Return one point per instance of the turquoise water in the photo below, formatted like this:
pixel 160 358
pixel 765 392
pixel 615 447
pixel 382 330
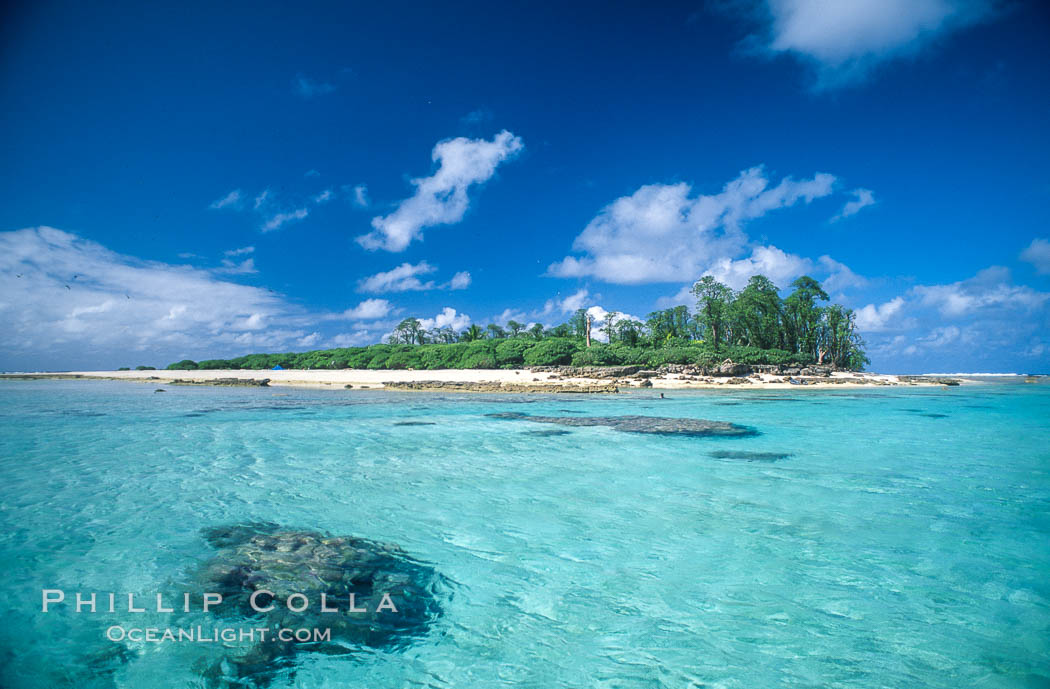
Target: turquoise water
pixel 905 540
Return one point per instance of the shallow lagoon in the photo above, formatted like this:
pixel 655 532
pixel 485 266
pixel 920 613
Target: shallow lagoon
pixel 900 537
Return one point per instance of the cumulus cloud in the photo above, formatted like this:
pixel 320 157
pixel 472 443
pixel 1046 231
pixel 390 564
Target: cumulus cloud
pixel 460 280
pixel 357 338
pixel 260 199
pixel 872 318
pixel 838 276
pixel 404 278
pixel 970 325
pixel 511 314
pixel 324 196
pixel 844 40
pixel 600 318
pixel 663 233
pixel 119 307
pixel 276 221
pixel 369 309
pixel 231 200
pixel 568 304
pixel 1038 254
pixel 990 288
pixel 448 317
pixel 862 198
pixel 777 265
pixel 441 198
pixel 939 337
pixel 70 303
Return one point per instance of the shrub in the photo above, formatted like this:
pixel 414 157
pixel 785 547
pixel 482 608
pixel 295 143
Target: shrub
pixel 211 364
pixel 754 355
pixel 184 365
pixel 442 356
pixel 511 353
pixel 403 359
pixel 360 357
pixel 551 352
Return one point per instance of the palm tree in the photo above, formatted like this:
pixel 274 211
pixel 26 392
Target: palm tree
pixel 474 332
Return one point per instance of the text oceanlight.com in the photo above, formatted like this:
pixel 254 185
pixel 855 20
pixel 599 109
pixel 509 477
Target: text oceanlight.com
pixel 218 635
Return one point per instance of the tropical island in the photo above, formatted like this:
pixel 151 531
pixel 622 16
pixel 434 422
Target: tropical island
pixel 753 326
pixel 748 338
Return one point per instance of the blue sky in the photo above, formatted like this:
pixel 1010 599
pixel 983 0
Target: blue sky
pixel 199 181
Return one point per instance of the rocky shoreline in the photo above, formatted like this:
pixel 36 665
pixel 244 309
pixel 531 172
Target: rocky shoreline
pixel 471 386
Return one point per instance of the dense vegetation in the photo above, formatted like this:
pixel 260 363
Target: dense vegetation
pixel 753 326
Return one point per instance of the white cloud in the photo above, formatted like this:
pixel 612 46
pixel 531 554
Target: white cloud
pixel 441 198
pixel 1038 254
pixel 839 276
pixel 511 314
pixel 845 39
pixel 260 199
pixel 780 267
pixel 862 198
pixel 361 196
pixel 276 221
pixel 324 196
pixel 369 309
pixel 357 338
pixel 308 340
pixel 872 318
pixel 119 309
pixel 569 304
pixel 600 318
pixel 231 200
pixel 404 278
pixel 239 252
pixel 448 317
pixel 245 267
pixel 663 234
pixel 308 88
pixel 683 296
pixel 777 265
pixel 460 280
pixel 939 337
pixel 990 288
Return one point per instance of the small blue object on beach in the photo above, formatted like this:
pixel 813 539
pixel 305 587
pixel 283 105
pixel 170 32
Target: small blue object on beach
pixel 278 367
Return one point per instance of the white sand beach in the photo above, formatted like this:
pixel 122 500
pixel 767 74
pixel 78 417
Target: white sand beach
pixel 487 380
